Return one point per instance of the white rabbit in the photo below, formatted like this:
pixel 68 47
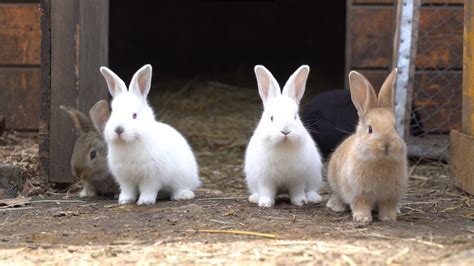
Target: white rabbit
pixel 281 155
pixel 145 156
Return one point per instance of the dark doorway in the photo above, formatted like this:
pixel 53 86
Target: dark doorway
pixel 224 40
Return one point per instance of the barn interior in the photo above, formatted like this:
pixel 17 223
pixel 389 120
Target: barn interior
pixel 222 41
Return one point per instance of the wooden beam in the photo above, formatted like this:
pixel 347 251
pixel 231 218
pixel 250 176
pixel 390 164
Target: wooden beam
pixel 462 143
pixel 468 68
pixel 404 54
pixel 78 47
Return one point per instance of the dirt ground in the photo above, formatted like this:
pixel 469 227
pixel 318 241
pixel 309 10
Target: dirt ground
pixel 435 225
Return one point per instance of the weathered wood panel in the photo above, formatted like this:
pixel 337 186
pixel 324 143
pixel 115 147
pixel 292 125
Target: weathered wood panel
pixel 440 38
pixel 372 30
pixel 20 97
pixel 20 34
pixel 78 45
pixel 461 166
pixel 437 100
pixel 447 2
pixel 468 74
pixel 45 107
pixel 376 77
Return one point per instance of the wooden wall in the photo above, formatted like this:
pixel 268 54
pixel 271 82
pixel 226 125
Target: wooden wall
pixel 20 38
pixel 438 76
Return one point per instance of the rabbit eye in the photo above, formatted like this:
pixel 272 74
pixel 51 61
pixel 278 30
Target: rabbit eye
pixel 271 118
pixel 370 129
pixel 92 155
pixel 134 115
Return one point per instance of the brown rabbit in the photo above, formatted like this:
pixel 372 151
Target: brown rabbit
pixel 369 169
pixel 89 157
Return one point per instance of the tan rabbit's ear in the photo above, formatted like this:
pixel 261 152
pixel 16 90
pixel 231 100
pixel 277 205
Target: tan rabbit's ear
pixel 99 114
pixel 386 93
pixel 81 122
pixel 362 93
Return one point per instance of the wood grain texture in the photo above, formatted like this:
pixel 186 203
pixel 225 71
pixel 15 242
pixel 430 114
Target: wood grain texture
pixel 20 94
pixel 468 74
pixel 78 47
pixel 461 166
pixel 447 2
pixel 371 31
pixel 437 100
pixel 20 34
pixel 45 107
pixel 440 38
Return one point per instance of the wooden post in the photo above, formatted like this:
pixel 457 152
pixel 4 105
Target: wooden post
pixel 404 55
pixel 75 45
pixel 462 143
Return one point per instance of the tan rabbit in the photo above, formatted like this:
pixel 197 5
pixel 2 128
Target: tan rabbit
pixel 369 169
pixel 89 157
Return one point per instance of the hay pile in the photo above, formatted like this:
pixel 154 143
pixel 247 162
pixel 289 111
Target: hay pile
pixel 218 120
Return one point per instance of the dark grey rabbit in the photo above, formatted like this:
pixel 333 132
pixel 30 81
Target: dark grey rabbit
pixel 330 117
pixel 89 157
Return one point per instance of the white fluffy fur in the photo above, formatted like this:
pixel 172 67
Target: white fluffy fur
pixel 275 163
pixel 148 156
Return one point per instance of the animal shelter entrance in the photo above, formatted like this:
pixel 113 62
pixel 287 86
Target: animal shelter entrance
pixel 222 41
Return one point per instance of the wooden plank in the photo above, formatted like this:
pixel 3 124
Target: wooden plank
pixel 437 100
pixel 435 147
pixel 20 86
pixel 440 38
pixel 371 32
pixel 376 77
pixel 79 45
pixel 468 74
pixel 447 2
pixel 371 35
pixel 93 52
pixel 461 166
pixel 64 80
pixel 20 34
pixel 45 107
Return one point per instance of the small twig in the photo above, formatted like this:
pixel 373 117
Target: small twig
pixel 234 232
pixel 348 260
pixel 402 252
pixel 10 208
pixel 220 222
pixel 57 201
pixel 223 198
pixel 429 243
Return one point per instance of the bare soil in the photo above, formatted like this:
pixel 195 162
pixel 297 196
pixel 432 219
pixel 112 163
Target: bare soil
pixel 435 225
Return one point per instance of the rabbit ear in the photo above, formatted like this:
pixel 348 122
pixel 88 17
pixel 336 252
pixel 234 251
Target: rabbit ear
pixel 385 99
pixel 141 81
pixel 99 114
pixel 362 93
pixel 267 85
pixel 296 84
pixel 81 122
pixel 115 84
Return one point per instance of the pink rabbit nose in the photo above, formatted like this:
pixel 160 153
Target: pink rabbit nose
pixel 119 130
pixel 286 132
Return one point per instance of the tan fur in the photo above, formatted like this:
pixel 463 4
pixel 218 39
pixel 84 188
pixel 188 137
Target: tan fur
pixel 369 171
pixel 94 174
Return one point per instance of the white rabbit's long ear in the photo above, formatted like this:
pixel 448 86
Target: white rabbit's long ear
pixel 99 114
pixel 115 84
pixel 362 93
pixel 141 82
pixel 267 85
pixel 296 84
